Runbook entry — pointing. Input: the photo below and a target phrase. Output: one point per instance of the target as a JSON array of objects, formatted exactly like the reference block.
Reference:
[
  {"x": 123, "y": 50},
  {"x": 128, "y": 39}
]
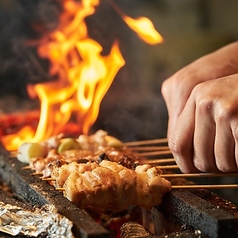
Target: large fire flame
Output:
[{"x": 83, "y": 74}]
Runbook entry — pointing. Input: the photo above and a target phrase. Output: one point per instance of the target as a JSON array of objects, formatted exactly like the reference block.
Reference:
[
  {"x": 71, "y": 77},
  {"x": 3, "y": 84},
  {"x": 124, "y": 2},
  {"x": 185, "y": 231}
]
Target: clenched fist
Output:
[{"x": 202, "y": 103}]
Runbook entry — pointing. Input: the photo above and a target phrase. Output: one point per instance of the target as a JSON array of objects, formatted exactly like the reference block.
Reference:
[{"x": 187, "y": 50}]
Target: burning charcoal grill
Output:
[{"x": 215, "y": 218}]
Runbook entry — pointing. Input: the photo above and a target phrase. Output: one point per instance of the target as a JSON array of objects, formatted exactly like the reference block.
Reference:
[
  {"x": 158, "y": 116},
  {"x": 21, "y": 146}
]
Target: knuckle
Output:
[
  {"x": 164, "y": 87},
  {"x": 205, "y": 106},
  {"x": 169, "y": 86},
  {"x": 226, "y": 113},
  {"x": 204, "y": 101}
]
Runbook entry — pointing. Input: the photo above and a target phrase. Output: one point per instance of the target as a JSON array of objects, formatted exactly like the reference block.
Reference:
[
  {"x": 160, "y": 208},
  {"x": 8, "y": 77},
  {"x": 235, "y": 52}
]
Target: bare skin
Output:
[{"x": 202, "y": 103}]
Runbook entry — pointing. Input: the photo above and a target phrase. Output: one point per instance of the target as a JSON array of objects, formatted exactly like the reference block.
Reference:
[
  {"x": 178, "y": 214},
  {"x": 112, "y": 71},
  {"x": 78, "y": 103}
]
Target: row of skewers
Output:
[
  {"x": 157, "y": 153},
  {"x": 145, "y": 169}
]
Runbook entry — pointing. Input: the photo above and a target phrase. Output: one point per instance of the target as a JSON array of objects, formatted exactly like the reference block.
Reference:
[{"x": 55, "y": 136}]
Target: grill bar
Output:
[{"x": 184, "y": 207}]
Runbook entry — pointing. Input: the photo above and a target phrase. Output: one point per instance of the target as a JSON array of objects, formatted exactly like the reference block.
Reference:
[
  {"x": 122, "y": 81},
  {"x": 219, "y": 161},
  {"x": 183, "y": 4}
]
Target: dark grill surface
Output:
[{"x": 186, "y": 207}]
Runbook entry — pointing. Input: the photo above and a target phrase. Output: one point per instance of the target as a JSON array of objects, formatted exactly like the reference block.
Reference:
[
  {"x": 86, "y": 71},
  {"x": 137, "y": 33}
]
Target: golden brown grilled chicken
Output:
[
  {"x": 110, "y": 186},
  {"x": 61, "y": 174}
]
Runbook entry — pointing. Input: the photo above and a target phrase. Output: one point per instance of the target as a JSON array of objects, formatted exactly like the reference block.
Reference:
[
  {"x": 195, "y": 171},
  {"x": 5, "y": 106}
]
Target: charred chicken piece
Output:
[{"x": 109, "y": 186}]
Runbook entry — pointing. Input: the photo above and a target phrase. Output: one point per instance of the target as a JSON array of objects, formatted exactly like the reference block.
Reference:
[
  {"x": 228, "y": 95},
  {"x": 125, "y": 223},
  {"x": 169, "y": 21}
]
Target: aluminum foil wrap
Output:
[{"x": 16, "y": 221}]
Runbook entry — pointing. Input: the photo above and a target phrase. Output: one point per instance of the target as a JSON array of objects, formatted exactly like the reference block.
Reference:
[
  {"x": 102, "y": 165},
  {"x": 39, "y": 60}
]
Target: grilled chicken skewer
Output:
[{"x": 109, "y": 186}]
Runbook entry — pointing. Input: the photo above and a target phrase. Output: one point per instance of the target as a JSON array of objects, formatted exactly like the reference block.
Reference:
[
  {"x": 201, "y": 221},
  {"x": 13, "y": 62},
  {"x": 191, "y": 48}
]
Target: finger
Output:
[
  {"x": 204, "y": 136},
  {"x": 234, "y": 127},
  {"x": 225, "y": 147},
  {"x": 181, "y": 139},
  {"x": 175, "y": 95}
]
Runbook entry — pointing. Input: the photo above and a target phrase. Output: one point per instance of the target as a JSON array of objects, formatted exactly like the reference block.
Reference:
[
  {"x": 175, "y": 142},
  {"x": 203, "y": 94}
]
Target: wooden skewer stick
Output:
[
  {"x": 146, "y": 142},
  {"x": 60, "y": 189},
  {"x": 167, "y": 167},
  {"x": 26, "y": 167},
  {"x": 37, "y": 173},
  {"x": 165, "y": 152},
  {"x": 149, "y": 148},
  {"x": 199, "y": 175},
  {"x": 48, "y": 179},
  {"x": 157, "y": 161},
  {"x": 210, "y": 186}
]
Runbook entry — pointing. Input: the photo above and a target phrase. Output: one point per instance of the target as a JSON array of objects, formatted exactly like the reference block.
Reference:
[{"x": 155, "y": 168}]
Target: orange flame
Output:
[
  {"x": 144, "y": 29},
  {"x": 83, "y": 74}
]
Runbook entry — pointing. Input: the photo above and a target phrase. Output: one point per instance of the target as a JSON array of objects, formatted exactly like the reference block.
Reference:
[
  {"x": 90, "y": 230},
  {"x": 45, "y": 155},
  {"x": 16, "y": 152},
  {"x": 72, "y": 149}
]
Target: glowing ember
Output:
[{"x": 83, "y": 74}]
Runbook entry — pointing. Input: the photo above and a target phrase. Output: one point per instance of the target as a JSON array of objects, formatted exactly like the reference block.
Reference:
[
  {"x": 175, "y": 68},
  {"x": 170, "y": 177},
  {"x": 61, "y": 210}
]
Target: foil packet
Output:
[{"x": 40, "y": 221}]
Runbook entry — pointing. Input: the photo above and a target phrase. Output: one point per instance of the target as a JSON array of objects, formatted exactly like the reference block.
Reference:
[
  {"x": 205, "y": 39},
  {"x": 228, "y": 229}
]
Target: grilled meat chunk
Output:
[{"x": 109, "y": 186}]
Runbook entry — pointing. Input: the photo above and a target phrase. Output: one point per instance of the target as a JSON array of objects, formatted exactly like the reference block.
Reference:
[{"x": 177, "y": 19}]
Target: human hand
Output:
[{"x": 203, "y": 110}]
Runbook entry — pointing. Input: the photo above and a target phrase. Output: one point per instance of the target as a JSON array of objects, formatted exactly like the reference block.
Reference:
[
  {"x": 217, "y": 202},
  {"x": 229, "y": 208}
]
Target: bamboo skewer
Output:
[
  {"x": 149, "y": 148},
  {"x": 60, "y": 189},
  {"x": 158, "y": 161},
  {"x": 26, "y": 167},
  {"x": 205, "y": 186},
  {"x": 165, "y": 152},
  {"x": 167, "y": 166},
  {"x": 37, "y": 173},
  {"x": 146, "y": 142},
  {"x": 199, "y": 175},
  {"x": 48, "y": 179}
]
